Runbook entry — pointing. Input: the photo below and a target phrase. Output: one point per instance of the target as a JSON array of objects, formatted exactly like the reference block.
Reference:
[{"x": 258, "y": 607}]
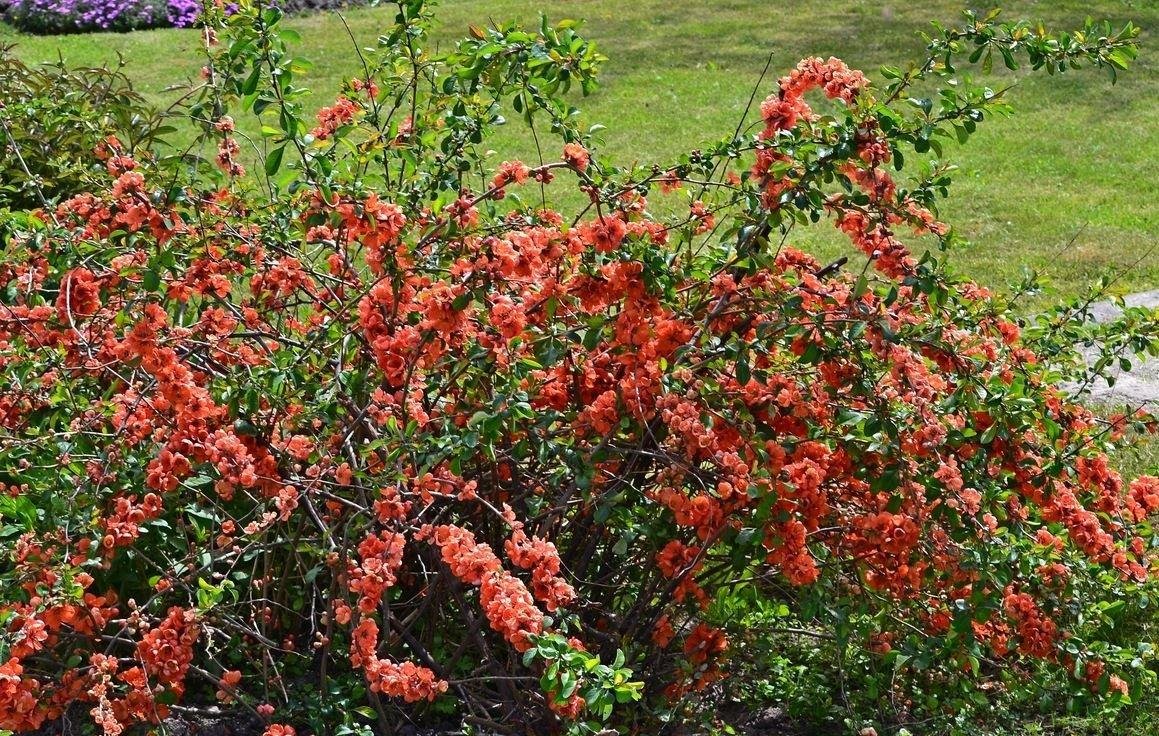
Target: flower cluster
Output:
[
  {"x": 506, "y": 601},
  {"x": 542, "y": 559},
  {"x": 167, "y": 650},
  {"x": 330, "y": 119},
  {"x": 381, "y": 556},
  {"x": 406, "y": 680},
  {"x": 870, "y": 229}
]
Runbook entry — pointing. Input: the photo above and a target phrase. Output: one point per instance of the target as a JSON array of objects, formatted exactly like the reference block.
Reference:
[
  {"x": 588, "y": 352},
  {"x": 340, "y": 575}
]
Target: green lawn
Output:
[{"x": 1076, "y": 161}]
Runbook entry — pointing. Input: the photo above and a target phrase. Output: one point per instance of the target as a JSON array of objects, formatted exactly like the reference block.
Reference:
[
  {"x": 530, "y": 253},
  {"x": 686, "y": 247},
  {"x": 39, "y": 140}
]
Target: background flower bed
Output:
[
  {"x": 74, "y": 16},
  {"x": 79, "y": 16}
]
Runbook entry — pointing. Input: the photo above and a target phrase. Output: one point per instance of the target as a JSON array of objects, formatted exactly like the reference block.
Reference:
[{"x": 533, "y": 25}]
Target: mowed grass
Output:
[{"x": 1065, "y": 186}]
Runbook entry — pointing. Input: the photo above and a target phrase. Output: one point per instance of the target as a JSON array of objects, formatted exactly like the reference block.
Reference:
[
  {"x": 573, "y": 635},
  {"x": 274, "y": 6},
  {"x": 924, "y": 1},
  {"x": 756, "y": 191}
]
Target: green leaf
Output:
[
  {"x": 274, "y": 160},
  {"x": 151, "y": 280},
  {"x": 743, "y": 372},
  {"x": 250, "y": 85}
]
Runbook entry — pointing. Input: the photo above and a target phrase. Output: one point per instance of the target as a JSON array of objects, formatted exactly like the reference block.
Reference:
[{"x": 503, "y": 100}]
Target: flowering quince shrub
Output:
[{"x": 377, "y": 424}]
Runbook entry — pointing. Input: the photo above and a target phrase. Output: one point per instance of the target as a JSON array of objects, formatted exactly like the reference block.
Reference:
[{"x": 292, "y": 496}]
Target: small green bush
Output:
[{"x": 55, "y": 122}]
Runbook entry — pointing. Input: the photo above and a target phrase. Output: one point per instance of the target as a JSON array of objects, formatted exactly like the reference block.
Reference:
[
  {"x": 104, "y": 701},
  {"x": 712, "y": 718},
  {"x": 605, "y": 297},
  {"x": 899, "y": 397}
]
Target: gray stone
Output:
[{"x": 1140, "y": 385}]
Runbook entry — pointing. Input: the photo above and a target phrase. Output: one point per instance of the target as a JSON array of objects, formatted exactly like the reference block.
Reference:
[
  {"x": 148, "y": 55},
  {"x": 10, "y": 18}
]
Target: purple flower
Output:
[{"x": 183, "y": 13}]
